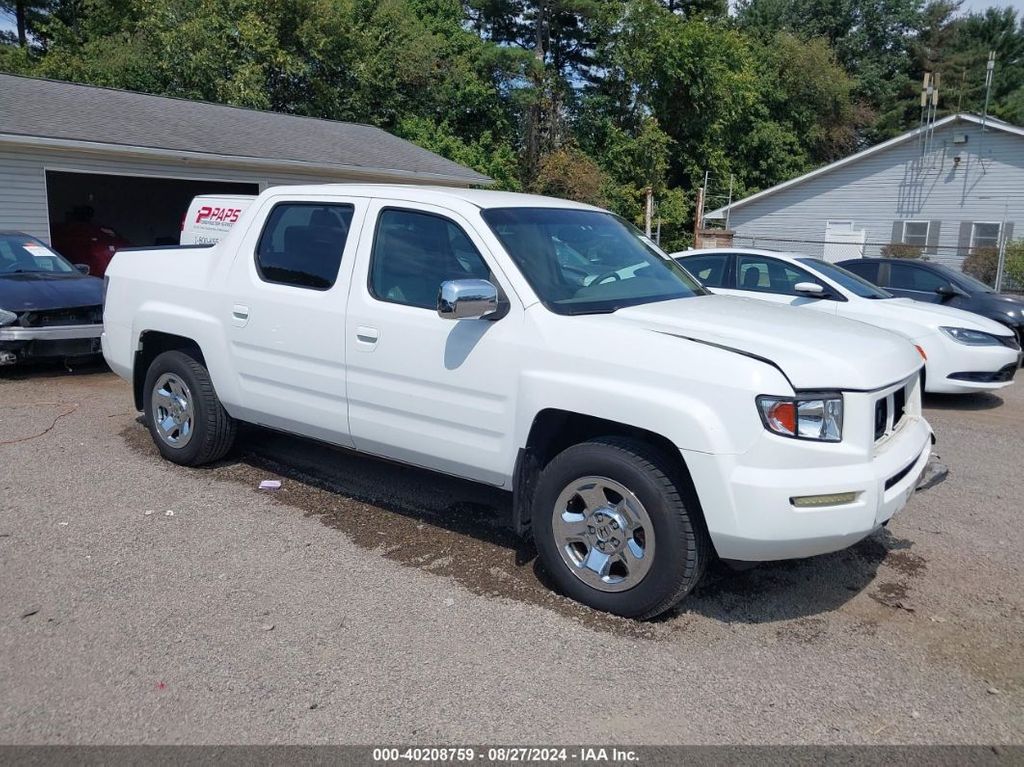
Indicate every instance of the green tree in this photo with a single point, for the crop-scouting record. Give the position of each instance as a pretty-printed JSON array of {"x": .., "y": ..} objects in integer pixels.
[
  {"x": 1013, "y": 266},
  {"x": 570, "y": 174},
  {"x": 27, "y": 15},
  {"x": 872, "y": 39}
]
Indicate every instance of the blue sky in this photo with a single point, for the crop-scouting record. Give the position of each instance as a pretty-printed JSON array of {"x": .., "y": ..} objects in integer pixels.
[{"x": 980, "y": 5}]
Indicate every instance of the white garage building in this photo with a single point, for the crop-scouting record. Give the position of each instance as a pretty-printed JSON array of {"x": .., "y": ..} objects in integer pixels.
[{"x": 132, "y": 162}]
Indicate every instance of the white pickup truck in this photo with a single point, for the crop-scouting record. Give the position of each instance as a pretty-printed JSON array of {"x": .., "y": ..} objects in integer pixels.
[{"x": 538, "y": 345}]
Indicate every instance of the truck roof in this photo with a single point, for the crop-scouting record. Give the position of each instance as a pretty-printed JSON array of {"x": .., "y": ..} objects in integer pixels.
[{"x": 481, "y": 198}]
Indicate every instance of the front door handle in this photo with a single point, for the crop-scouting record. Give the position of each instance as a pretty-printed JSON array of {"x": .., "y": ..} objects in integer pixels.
[
  {"x": 239, "y": 315},
  {"x": 367, "y": 335}
]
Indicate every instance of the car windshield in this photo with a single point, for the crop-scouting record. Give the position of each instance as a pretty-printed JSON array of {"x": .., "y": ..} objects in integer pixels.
[
  {"x": 846, "y": 279},
  {"x": 587, "y": 261},
  {"x": 20, "y": 253},
  {"x": 965, "y": 281}
]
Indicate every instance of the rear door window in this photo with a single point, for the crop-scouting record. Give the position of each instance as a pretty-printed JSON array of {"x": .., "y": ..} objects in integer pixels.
[
  {"x": 769, "y": 275},
  {"x": 710, "y": 269},
  {"x": 909, "y": 277},
  {"x": 302, "y": 244},
  {"x": 867, "y": 270}
]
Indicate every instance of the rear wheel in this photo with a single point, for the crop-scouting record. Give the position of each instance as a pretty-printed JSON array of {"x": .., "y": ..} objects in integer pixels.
[
  {"x": 185, "y": 418},
  {"x": 613, "y": 530}
]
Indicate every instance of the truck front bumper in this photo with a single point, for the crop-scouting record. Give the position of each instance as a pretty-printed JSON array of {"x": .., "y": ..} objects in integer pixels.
[{"x": 752, "y": 511}]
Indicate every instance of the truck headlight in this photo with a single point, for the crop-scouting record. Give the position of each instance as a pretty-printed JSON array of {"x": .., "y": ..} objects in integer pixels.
[
  {"x": 971, "y": 337},
  {"x": 815, "y": 416},
  {"x": 7, "y": 318}
]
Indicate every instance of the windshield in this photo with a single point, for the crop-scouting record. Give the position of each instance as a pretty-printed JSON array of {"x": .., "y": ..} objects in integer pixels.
[
  {"x": 20, "y": 253},
  {"x": 963, "y": 280},
  {"x": 586, "y": 261},
  {"x": 848, "y": 280}
]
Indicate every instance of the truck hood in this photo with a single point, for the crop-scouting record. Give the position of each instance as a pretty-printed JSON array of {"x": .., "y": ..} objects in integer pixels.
[
  {"x": 37, "y": 291},
  {"x": 901, "y": 314},
  {"x": 812, "y": 350}
]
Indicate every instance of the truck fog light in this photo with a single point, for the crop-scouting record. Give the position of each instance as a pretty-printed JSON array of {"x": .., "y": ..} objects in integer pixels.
[{"x": 815, "y": 501}]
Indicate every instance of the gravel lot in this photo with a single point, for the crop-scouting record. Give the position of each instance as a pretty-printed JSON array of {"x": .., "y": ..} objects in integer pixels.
[{"x": 370, "y": 603}]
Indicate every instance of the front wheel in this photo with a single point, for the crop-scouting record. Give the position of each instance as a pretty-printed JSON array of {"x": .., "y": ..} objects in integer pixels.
[
  {"x": 185, "y": 418},
  {"x": 613, "y": 529}
]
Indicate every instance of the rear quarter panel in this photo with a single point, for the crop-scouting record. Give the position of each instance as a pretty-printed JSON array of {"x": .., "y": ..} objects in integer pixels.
[{"x": 170, "y": 291}]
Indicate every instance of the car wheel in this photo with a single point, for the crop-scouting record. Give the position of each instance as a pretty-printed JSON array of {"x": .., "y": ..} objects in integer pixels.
[
  {"x": 613, "y": 530},
  {"x": 186, "y": 420}
]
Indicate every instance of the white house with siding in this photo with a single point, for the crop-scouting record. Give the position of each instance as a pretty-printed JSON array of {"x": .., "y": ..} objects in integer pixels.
[
  {"x": 133, "y": 161},
  {"x": 947, "y": 190}
]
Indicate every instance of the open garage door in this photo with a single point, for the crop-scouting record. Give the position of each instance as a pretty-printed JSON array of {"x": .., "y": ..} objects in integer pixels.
[{"x": 97, "y": 210}]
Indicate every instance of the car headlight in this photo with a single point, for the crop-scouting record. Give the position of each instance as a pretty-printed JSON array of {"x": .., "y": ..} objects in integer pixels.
[
  {"x": 816, "y": 417},
  {"x": 7, "y": 318},
  {"x": 971, "y": 337}
]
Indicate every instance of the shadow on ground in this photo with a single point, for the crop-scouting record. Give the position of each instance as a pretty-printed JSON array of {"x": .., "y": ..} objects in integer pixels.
[
  {"x": 461, "y": 529},
  {"x": 976, "y": 401},
  {"x": 53, "y": 369},
  {"x": 797, "y": 588}
]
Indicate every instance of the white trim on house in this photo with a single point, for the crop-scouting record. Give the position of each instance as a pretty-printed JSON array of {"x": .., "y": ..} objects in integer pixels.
[
  {"x": 999, "y": 232},
  {"x": 988, "y": 123},
  {"x": 169, "y": 174},
  {"x": 234, "y": 161},
  {"x": 927, "y": 231}
]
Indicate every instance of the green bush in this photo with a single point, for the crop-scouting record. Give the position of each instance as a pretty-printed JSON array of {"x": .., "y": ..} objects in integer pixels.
[
  {"x": 983, "y": 263},
  {"x": 901, "y": 250},
  {"x": 1013, "y": 268}
]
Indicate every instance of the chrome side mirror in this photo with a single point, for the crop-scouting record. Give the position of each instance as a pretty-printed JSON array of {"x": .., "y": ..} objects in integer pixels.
[
  {"x": 810, "y": 288},
  {"x": 466, "y": 300}
]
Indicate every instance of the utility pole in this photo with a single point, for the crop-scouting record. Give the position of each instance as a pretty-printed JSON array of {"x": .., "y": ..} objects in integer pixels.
[
  {"x": 698, "y": 219},
  {"x": 648, "y": 210},
  {"x": 990, "y": 67},
  {"x": 1001, "y": 264},
  {"x": 728, "y": 206}
]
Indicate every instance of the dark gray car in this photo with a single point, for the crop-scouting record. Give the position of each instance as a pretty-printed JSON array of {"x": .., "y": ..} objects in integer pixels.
[{"x": 938, "y": 284}]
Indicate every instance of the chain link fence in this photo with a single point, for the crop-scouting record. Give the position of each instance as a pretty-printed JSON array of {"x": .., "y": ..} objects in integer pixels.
[{"x": 980, "y": 263}]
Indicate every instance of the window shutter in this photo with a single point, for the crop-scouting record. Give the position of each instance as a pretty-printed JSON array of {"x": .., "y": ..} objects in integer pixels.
[
  {"x": 934, "y": 228},
  {"x": 897, "y": 232},
  {"x": 963, "y": 243}
]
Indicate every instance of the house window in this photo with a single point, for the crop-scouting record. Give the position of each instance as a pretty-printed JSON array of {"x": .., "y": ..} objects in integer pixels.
[
  {"x": 915, "y": 233},
  {"x": 984, "y": 236}
]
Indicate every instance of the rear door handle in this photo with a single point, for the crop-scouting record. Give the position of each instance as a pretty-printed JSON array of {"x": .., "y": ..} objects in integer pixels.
[
  {"x": 367, "y": 336},
  {"x": 239, "y": 315}
]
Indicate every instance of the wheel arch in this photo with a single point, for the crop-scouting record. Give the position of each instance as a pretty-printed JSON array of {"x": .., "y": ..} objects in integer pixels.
[
  {"x": 153, "y": 343},
  {"x": 553, "y": 430}
]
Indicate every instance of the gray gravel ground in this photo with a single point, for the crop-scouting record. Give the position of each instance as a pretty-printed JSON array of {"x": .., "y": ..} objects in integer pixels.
[{"x": 369, "y": 603}]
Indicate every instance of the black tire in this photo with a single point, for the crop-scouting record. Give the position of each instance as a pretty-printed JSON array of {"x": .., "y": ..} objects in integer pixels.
[
  {"x": 213, "y": 430},
  {"x": 682, "y": 545}
]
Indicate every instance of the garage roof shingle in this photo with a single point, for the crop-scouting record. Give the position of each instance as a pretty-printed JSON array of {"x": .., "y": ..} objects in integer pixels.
[{"x": 68, "y": 111}]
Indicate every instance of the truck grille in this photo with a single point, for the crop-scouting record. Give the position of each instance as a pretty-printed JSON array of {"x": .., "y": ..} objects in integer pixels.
[
  {"x": 79, "y": 315},
  {"x": 890, "y": 411},
  {"x": 881, "y": 417},
  {"x": 899, "y": 405}
]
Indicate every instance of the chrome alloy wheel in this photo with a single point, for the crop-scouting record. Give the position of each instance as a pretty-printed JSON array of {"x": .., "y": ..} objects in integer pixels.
[
  {"x": 603, "y": 533},
  {"x": 173, "y": 412}
]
